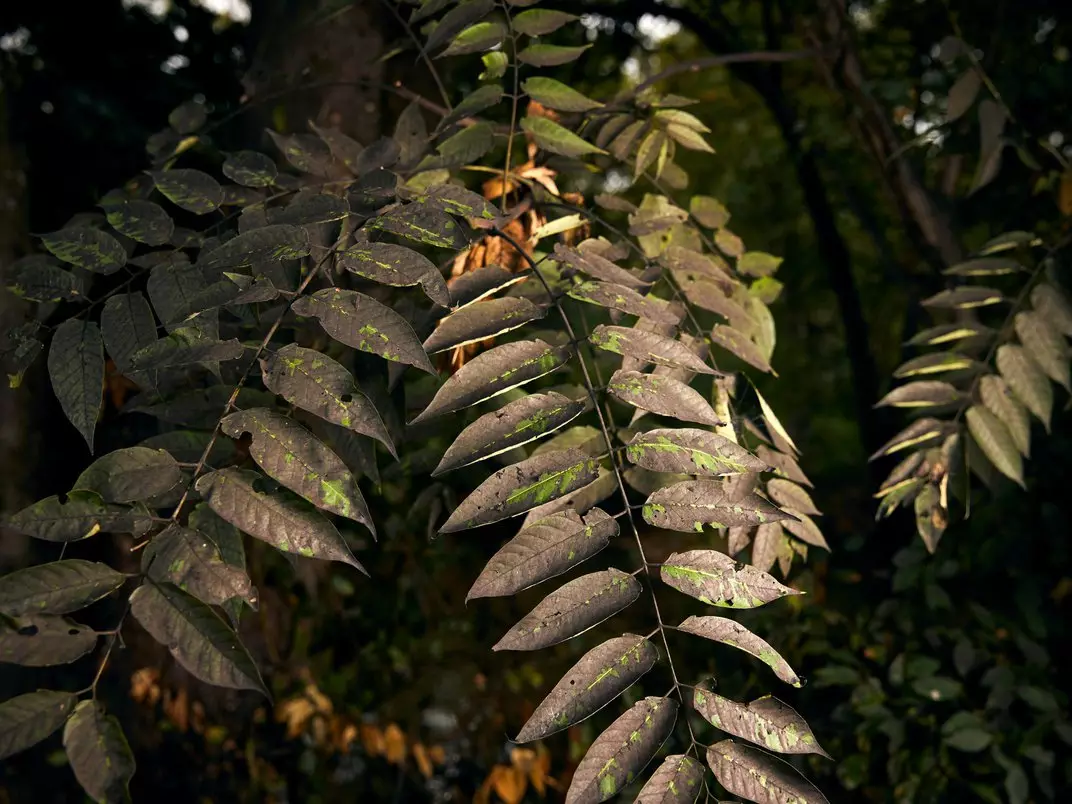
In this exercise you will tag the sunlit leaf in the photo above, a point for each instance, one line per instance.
(475, 38)
(543, 550)
(996, 442)
(691, 451)
(789, 495)
(918, 433)
(1026, 380)
(364, 323)
(627, 300)
(516, 423)
(310, 208)
(921, 394)
(556, 95)
(551, 136)
(757, 776)
(804, 528)
(478, 322)
(266, 243)
(620, 753)
(728, 632)
(87, 248)
(965, 297)
(98, 753)
(782, 464)
(716, 579)
(43, 640)
(648, 347)
(397, 266)
(985, 266)
(663, 396)
(934, 363)
(766, 721)
(494, 372)
(28, 719)
(541, 55)
(690, 505)
(599, 677)
(678, 780)
(283, 521)
(572, 609)
(948, 333)
(515, 489)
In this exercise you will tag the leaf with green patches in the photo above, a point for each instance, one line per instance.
(601, 675)
(541, 55)
(294, 457)
(965, 297)
(192, 190)
(99, 754)
(477, 322)
(421, 223)
(757, 776)
(519, 422)
(556, 95)
(28, 719)
(1026, 380)
(998, 398)
(582, 500)
(540, 21)
(87, 248)
(305, 152)
(494, 372)
(598, 267)
(717, 580)
(396, 266)
(475, 38)
(572, 609)
(81, 515)
(130, 474)
(282, 520)
(316, 383)
(728, 632)
(690, 505)
(39, 279)
(648, 347)
(996, 442)
(678, 780)
(548, 134)
(543, 550)
(737, 343)
(691, 451)
(264, 244)
(789, 495)
(141, 220)
(250, 169)
(198, 638)
(663, 396)
(1045, 346)
(185, 346)
(620, 754)
(76, 369)
(43, 640)
(766, 721)
(363, 323)
(192, 561)
(516, 489)
(58, 587)
(618, 297)
(310, 208)
(1053, 306)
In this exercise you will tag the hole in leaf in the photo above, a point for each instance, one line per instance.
(347, 398)
(72, 632)
(28, 630)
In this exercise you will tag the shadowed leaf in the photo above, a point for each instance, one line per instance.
(58, 587)
(133, 473)
(921, 394)
(193, 190)
(185, 346)
(76, 369)
(87, 248)
(81, 515)
(728, 632)
(250, 169)
(1045, 345)
(996, 442)
(38, 278)
(965, 297)
(478, 322)
(1027, 381)
(194, 563)
(140, 220)
(127, 326)
(98, 753)
(43, 640)
(1053, 306)
(28, 719)
(918, 433)
(998, 398)
(264, 244)
(717, 580)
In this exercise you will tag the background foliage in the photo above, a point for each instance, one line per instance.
(929, 678)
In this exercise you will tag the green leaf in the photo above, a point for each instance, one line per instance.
(538, 21)
(478, 322)
(618, 297)
(996, 442)
(463, 148)
(140, 220)
(691, 451)
(475, 38)
(766, 721)
(192, 561)
(281, 520)
(99, 754)
(397, 266)
(758, 263)
(552, 137)
(621, 753)
(250, 169)
(363, 323)
(556, 95)
(42, 640)
(28, 719)
(81, 515)
(728, 632)
(188, 117)
(76, 368)
(127, 475)
(598, 267)
(1045, 346)
(969, 740)
(998, 398)
(709, 211)
(293, 456)
(966, 297)
(688, 138)
(550, 55)
(737, 343)
(600, 676)
(581, 500)
(717, 580)
(199, 640)
(264, 244)
(495, 64)
(456, 20)
(193, 190)
(678, 780)
(515, 489)
(87, 248)
(58, 587)
(494, 372)
(757, 776)
(39, 279)
(648, 347)
(690, 505)
(1026, 380)
(572, 609)
(186, 346)
(516, 423)
(663, 396)
(316, 383)
(127, 326)
(543, 550)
